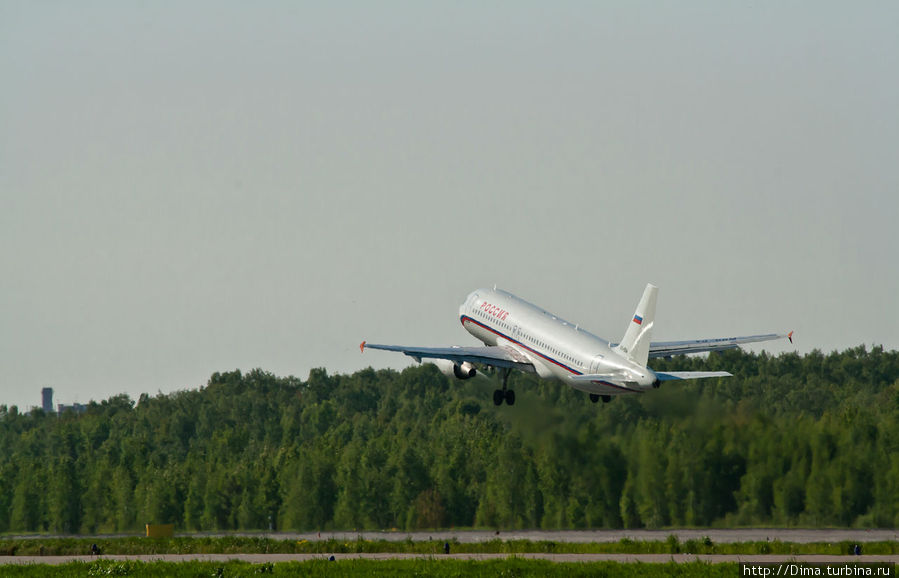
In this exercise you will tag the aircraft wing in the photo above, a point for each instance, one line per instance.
(670, 348)
(497, 356)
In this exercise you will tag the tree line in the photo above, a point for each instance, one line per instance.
(807, 440)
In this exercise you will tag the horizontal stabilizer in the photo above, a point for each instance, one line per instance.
(676, 375)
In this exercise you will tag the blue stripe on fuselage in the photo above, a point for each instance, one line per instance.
(465, 318)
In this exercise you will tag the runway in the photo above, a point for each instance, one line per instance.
(721, 536)
(622, 558)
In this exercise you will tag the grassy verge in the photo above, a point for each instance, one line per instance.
(254, 545)
(507, 567)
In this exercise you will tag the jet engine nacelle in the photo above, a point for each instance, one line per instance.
(452, 369)
(464, 371)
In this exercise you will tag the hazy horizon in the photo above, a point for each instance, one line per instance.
(198, 187)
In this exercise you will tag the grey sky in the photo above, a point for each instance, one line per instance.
(196, 187)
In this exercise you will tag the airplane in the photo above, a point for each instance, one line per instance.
(518, 335)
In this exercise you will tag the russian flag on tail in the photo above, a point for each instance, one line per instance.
(638, 320)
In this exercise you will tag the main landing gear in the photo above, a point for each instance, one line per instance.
(594, 397)
(504, 394)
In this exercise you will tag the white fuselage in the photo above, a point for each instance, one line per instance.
(557, 348)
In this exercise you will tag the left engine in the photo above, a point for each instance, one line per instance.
(449, 368)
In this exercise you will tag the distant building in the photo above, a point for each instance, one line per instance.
(47, 405)
(75, 407)
(47, 397)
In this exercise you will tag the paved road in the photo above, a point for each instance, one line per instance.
(473, 536)
(626, 558)
(581, 536)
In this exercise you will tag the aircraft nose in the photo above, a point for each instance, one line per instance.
(466, 305)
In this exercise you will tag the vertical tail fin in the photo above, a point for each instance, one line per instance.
(635, 343)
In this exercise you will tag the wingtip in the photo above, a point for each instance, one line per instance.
(362, 347)
(790, 336)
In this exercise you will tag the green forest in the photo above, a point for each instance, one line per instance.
(790, 440)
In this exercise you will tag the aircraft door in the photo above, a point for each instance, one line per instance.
(596, 364)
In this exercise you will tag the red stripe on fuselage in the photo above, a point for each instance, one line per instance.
(465, 318)
(504, 336)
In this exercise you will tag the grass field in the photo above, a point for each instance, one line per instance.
(506, 567)
(438, 566)
(253, 545)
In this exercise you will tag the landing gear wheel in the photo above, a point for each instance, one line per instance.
(594, 397)
(606, 398)
(510, 397)
(498, 397)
